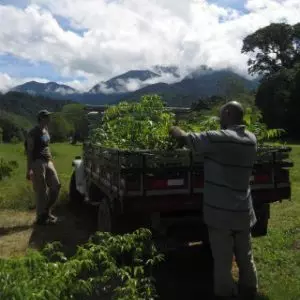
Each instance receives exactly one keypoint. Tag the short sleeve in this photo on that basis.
(199, 142)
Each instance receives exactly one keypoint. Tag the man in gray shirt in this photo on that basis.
(229, 156)
(41, 170)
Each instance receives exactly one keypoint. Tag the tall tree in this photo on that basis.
(274, 47)
(60, 129)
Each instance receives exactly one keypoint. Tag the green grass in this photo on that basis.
(278, 254)
(16, 192)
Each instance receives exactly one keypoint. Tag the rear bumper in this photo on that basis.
(182, 203)
(273, 195)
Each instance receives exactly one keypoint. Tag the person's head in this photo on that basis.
(43, 117)
(232, 113)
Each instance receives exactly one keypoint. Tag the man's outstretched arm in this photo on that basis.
(197, 142)
(179, 134)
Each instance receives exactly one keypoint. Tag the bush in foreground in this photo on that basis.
(118, 267)
(6, 168)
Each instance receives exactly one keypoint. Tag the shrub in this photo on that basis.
(6, 168)
(120, 266)
(143, 125)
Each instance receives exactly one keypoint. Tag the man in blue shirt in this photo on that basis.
(41, 170)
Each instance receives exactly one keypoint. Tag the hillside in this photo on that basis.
(18, 113)
(202, 82)
(46, 89)
(119, 83)
(27, 106)
(196, 86)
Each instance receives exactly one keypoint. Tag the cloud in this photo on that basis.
(120, 35)
(7, 82)
(134, 84)
(131, 84)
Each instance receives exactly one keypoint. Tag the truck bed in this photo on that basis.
(170, 175)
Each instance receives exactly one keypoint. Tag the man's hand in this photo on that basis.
(179, 135)
(29, 174)
(176, 132)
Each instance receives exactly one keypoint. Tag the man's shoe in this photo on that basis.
(52, 218)
(247, 293)
(41, 219)
(51, 221)
(46, 221)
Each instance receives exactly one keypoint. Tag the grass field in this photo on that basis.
(16, 192)
(17, 209)
(277, 255)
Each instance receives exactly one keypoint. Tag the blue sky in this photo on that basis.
(18, 67)
(236, 4)
(116, 38)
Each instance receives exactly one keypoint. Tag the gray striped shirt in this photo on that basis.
(229, 156)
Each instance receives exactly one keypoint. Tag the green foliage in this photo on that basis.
(277, 49)
(209, 120)
(276, 46)
(76, 116)
(6, 168)
(145, 125)
(27, 106)
(13, 126)
(120, 266)
(142, 125)
(253, 122)
(60, 128)
(278, 99)
(18, 113)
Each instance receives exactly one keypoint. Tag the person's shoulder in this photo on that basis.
(251, 136)
(33, 131)
(215, 134)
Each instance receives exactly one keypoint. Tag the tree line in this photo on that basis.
(275, 56)
(18, 115)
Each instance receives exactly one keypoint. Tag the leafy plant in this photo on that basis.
(142, 125)
(119, 266)
(252, 120)
(145, 125)
(6, 168)
(254, 124)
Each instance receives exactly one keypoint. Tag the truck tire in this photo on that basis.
(263, 215)
(105, 221)
(75, 198)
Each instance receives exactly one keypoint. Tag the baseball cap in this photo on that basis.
(43, 113)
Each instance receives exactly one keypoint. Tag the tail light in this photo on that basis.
(156, 184)
(262, 178)
(159, 184)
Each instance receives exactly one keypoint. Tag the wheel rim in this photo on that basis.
(104, 217)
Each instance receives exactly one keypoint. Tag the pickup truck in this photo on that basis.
(163, 191)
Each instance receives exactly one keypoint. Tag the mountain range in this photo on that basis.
(163, 80)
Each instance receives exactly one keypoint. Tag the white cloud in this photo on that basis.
(136, 34)
(7, 82)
